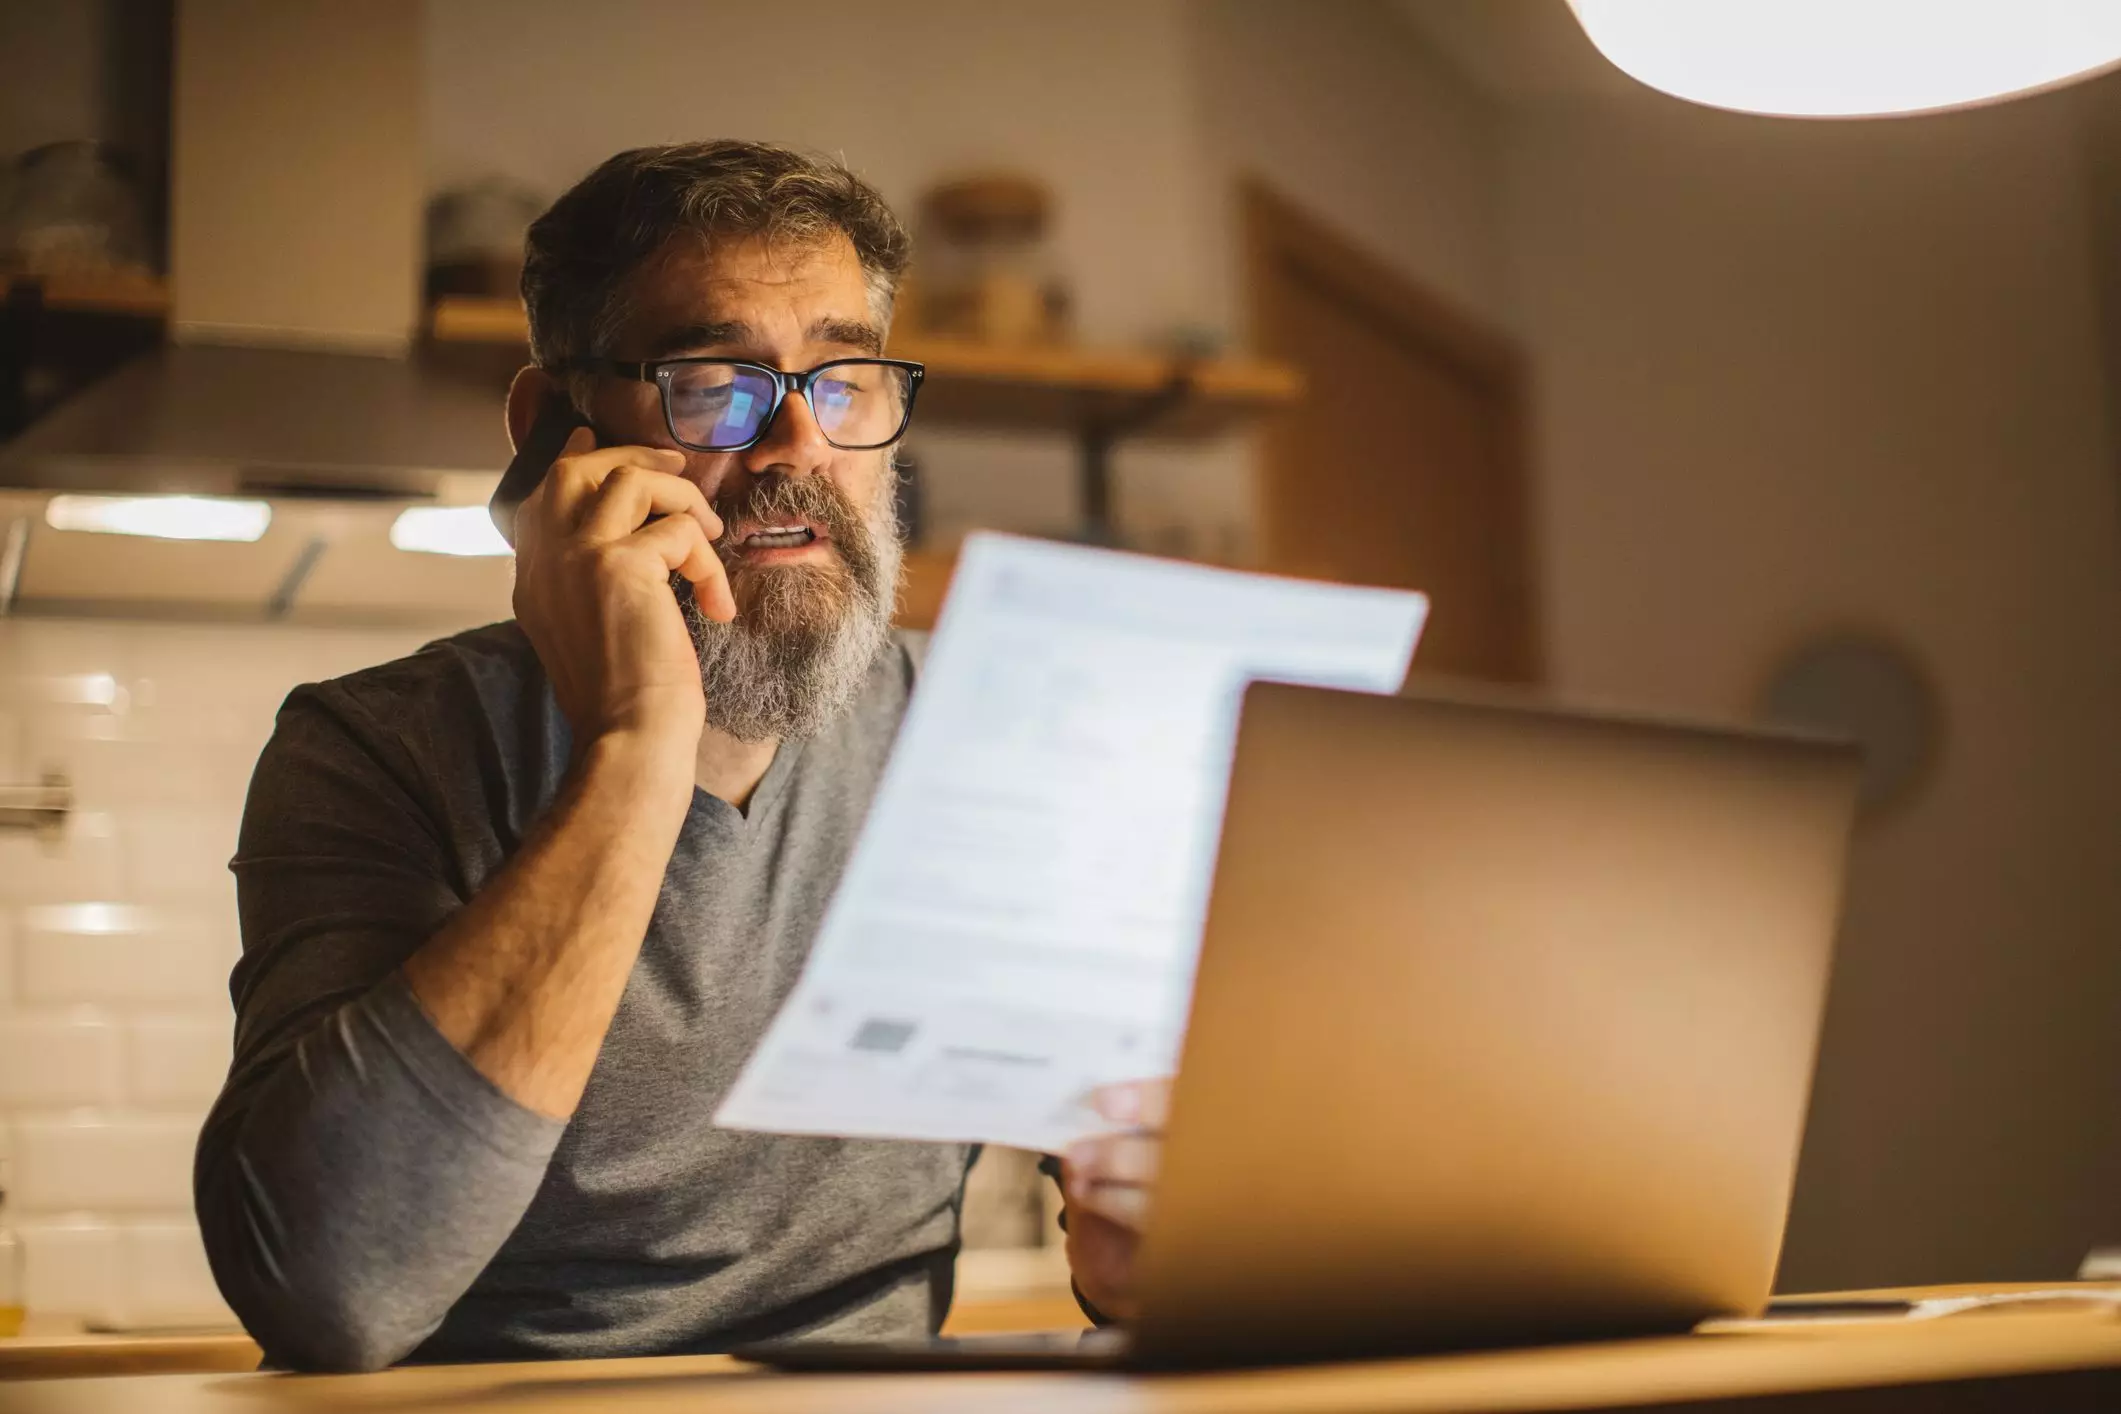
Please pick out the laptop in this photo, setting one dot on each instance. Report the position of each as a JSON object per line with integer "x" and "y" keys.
{"x": 1503, "y": 1033}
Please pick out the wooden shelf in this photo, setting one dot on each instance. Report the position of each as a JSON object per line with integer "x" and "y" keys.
{"x": 110, "y": 292}
{"x": 1058, "y": 388}
{"x": 477, "y": 319}
{"x": 1067, "y": 389}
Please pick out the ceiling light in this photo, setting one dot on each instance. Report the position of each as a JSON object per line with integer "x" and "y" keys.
{"x": 1852, "y": 58}
{"x": 447, "y": 530}
{"x": 166, "y": 517}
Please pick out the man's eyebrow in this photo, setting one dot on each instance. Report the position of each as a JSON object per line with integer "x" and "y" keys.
{"x": 735, "y": 333}
{"x": 854, "y": 333}
{"x": 690, "y": 338}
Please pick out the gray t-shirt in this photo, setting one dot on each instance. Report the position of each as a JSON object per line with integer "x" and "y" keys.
{"x": 367, "y": 1196}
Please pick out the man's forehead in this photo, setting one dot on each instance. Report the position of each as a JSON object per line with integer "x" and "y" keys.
{"x": 772, "y": 288}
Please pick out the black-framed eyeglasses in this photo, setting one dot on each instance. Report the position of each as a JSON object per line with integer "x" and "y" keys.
{"x": 728, "y": 404}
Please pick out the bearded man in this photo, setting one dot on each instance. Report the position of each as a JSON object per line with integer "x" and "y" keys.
{"x": 517, "y": 908}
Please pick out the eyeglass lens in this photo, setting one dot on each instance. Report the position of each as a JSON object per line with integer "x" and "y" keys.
{"x": 721, "y": 406}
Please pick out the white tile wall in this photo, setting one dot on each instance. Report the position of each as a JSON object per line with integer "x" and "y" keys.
{"x": 182, "y": 851}
{"x": 116, "y": 941}
{"x": 145, "y": 1273}
{"x": 57, "y": 1060}
{"x": 82, "y": 865}
{"x": 130, "y": 954}
{"x": 71, "y": 1266}
{"x": 11, "y": 745}
{"x": 103, "y": 1162}
{"x": 176, "y": 1061}
{"x": 164, "y": 1277}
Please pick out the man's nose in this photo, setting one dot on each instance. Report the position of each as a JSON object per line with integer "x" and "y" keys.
{"x": 794, "y": 446}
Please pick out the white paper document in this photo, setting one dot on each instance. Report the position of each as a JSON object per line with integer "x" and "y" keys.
{"x": 1020, "y": 917}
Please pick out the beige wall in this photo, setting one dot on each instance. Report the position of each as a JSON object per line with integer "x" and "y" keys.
{"x": 1341, "y": 109}
{"x": 1797, "y": 375}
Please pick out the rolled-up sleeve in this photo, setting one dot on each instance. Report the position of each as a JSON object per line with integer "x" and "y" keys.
{"x": 357, "y": 1172}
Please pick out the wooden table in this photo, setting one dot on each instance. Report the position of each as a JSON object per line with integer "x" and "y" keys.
{"x": 2046, "y": 1361}
{"x": 1000, "y": 1291}
{"x": 62, "y": 1353}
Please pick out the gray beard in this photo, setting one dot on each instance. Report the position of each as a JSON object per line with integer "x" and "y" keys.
{"x": 798, "y": 653}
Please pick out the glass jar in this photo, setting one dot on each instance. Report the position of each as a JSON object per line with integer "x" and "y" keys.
{"x": 986, "y": 270}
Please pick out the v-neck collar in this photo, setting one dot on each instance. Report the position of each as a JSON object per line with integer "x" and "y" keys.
{"x": 708, "y": 806}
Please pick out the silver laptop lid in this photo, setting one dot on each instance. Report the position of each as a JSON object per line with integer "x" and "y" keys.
{"x": 1504, "y": 1029}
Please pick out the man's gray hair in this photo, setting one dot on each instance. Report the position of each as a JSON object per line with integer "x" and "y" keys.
{"x": 578, "y": 255}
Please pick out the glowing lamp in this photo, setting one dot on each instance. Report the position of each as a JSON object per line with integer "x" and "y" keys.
{"x": 1853, "y": 58}
{"x": 447, "y": 530}
{"x": 163, "y": 517}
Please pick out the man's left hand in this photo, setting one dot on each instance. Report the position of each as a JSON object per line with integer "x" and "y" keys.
{"x": 1107, "y": 1182}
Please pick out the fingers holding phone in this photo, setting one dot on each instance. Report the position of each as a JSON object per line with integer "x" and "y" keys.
{"x": 596, "y": 544}
{"x": 622, "y": 493}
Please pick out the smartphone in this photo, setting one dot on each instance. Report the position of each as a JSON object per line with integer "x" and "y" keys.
{"x": 556, "y": 422}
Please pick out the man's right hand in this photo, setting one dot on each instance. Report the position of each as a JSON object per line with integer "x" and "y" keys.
{"x": 592, "y": 590}
{"x": 523, "y": 980}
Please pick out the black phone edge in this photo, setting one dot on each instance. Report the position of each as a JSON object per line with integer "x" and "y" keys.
{"x": 556, "y": 422}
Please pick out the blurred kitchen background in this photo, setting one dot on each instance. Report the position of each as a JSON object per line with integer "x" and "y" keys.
{"x": 1665, "y": 407}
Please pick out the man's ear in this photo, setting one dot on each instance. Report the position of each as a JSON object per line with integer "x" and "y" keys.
{"x": 526, "y": 395}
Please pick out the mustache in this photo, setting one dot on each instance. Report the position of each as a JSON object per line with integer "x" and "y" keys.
{"x": 775, "y": 496}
